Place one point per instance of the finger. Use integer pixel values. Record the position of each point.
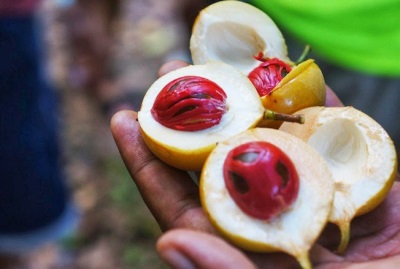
(389, 262)
(320, 256)
(331, 98)
(377, 233)
(170, 66)
(192, 249)
(169, 193)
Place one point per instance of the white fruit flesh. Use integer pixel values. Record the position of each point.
(358, 151)
(295, 230)
(234, 32)
(244, 109)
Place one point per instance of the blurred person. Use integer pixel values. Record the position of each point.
(35, 201)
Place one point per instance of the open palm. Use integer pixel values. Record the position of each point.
(173, 199)
(190, 241)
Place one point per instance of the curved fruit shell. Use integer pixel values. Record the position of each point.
(303, 87)
(295, 230)
(234, 32)
(191, 160)
(379, 196)
(380, 165)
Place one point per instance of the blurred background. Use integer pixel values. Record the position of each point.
(102, 56)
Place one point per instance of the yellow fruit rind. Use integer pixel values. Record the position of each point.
(381, 195)
(178, 158)
(303, 87)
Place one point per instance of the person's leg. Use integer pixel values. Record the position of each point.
(34, 200)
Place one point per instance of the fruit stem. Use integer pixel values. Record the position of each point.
(304, 261)
(304, 54)
(344, 237)
(272, 115)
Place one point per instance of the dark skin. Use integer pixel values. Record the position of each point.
(173, 199)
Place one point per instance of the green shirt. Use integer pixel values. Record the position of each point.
(363, 35)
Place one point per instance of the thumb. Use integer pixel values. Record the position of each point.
(192, 249)
(331, 98)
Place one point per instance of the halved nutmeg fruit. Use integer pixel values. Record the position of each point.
(266, 191)
(360, 154)
(186, 112)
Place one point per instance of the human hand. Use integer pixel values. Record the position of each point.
(190, 240)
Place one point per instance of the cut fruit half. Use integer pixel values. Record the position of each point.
(293, 231)
(187, 150)
(235, 32)
(360, 154)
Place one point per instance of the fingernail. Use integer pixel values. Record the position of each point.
(176, 259)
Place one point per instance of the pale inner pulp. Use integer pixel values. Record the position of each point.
(234, 44)
(343, 147)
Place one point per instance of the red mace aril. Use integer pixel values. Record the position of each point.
(268, 74)
(261, 179)
(190, 103)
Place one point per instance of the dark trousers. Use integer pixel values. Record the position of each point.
(32, 191)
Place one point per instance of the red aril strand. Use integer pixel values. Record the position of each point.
(190, 103)
(268, 74)
(261, 179)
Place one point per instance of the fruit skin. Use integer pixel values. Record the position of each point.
(308, 214)
(379, 196)
(191, 160)
(303, 87)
